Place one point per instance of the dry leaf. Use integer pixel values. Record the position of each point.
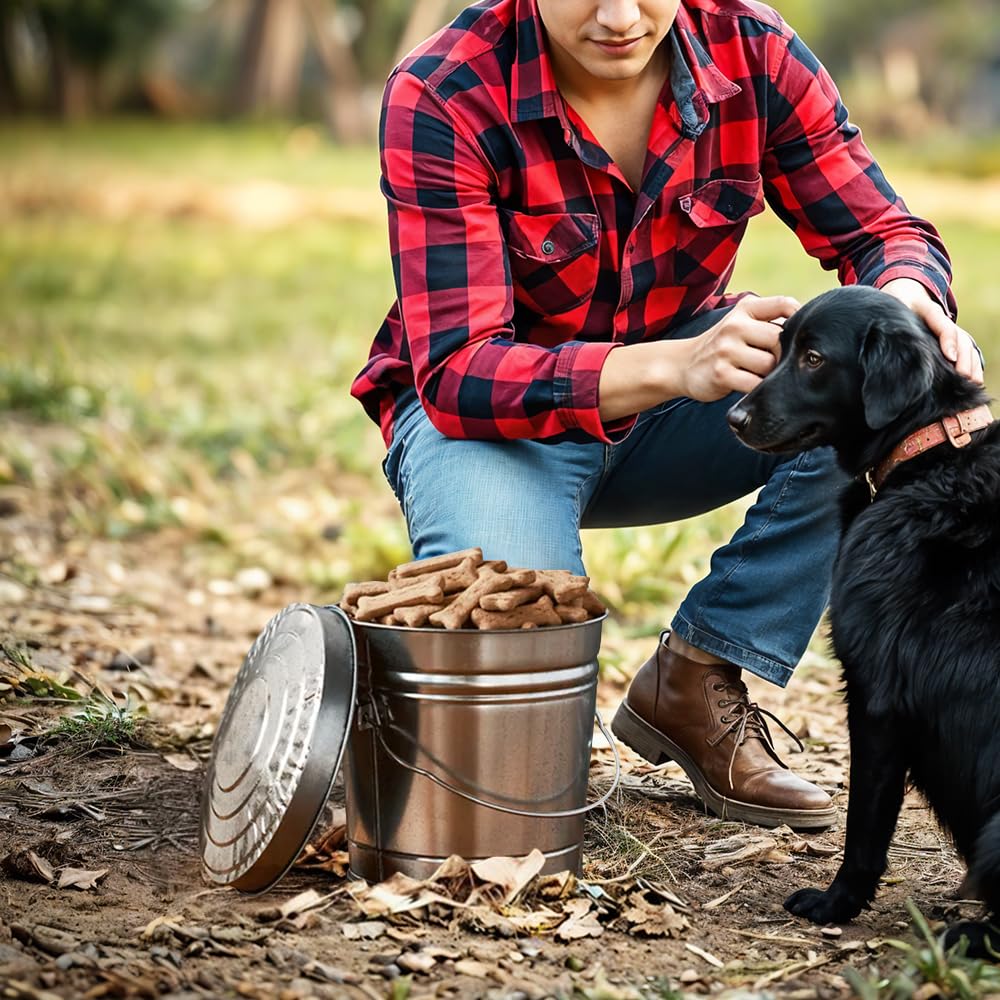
(580, 921)
(6, 734)
(80, 878)
(170, 922)
(511, 874)
(301, 903)
(397, 894)
(777, 857)
(27, 865)
(733, 850)
(182, 761)
(654, 919)
(813, 848)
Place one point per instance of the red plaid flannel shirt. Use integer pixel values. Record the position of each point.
(522, 257)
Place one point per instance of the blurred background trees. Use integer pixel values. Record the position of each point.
(906, 66)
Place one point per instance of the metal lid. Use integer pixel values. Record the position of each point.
(278, 747)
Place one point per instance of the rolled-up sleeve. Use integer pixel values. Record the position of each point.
(453, 287)
(820, 178)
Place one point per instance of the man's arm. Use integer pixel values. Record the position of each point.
(454, 289)
(732, 356)
(822, 181)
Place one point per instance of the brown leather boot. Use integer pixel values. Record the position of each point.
(701, 717)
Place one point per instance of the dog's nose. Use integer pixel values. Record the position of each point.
(739, 418)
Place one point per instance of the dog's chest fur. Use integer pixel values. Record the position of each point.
(915, 613)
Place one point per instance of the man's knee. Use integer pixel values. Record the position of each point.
(501, 496)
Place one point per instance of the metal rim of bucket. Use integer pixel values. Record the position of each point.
(560, 814)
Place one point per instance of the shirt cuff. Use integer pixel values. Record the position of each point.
(576, 392)
(935, 282)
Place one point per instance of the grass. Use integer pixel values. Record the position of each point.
(171, 360)
(927, 970)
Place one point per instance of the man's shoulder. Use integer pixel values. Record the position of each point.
(758, 14)
(476, 33)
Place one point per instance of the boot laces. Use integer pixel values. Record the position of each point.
(747, 721)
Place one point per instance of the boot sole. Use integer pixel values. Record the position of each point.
(657, 748)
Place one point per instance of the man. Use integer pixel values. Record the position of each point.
(568, 182)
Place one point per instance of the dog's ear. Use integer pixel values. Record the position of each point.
(897, 370)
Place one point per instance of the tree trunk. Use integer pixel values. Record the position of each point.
(70, 84)
(10, 97)
(244, 93)
(344, 99)
(425, 18)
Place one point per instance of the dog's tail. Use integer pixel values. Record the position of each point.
(984, 871)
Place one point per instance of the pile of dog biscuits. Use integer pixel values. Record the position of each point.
(461, 590)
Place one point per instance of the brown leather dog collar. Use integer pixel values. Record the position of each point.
(957, 429)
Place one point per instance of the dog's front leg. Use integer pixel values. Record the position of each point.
(878, 778)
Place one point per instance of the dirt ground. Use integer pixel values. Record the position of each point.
(136, 616)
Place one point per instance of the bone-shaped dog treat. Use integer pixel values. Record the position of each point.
(416, 616)
(561, 585)
(421, 567)
(591, 603)
(426, 591)
(569, 613)
(454, 579)
(370, 588)
(510, 599)
(457, 613)
(540, 612)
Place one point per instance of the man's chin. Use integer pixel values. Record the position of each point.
(611, 68)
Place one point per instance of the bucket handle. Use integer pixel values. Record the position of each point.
(561, 814)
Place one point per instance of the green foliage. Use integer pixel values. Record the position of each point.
(102, 724)
(927, 970)
(97, 32)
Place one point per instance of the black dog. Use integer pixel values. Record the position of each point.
(915, 608)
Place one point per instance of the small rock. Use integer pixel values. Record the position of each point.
(11, 592)
(831, 932)
(21, 752)
(332, 532)
(142, 657)
(415, 961)
(391, 971)
(689, 976)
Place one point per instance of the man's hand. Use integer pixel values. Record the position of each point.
(956, 345)
(736, 353)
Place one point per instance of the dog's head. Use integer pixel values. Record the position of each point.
(854, 362)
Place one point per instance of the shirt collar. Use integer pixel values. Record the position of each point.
(696, 80)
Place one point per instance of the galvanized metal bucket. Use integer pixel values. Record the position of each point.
(470, 743)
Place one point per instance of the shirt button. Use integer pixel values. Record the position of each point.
(548, 247)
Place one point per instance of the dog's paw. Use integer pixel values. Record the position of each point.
(983, 938)
(821, 907)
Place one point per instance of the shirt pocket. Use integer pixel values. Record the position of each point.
(554, 258)
(713, 219)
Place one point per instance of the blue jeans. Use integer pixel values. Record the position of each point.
(525, 502)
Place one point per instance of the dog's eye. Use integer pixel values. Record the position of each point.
(813, 359)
